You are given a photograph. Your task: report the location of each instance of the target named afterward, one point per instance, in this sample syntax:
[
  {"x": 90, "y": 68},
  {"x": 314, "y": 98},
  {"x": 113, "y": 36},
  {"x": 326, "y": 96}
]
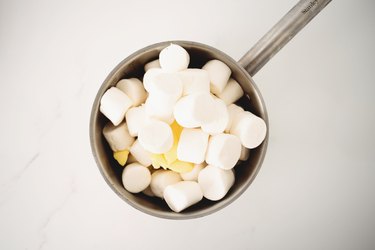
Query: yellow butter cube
[
  {"x": 158, "y": 160},
  {"x": 171, "y": 155},
  {"x": 176, "y": 130},
  {"x": 181, "y": 166},
  {"x": 121, "y": 157}
]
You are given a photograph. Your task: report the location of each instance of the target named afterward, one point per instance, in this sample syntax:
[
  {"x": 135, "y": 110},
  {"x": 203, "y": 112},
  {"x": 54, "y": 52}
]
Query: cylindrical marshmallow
[
  {"x": 140, "y": 154},
  {"x": 232, "y": 92},
  {"x": 114, "y": 104},
  {"x": 160, "y": 179},
  {"x": 194, "y": 110},
  {"x": 215, "y": 182},
  {"x": 136, "y": 177},
  {"x": 219, "y": 74},
  {"x": 133, "y": 88},
  {"x": 192, "y": 145},
  {"x": 160, "y": 109},
  {"x": 148, "y": 77},
  {"x": 233, "y": 113},
  {"x": 151, "y": 65},
  {"x": 174, "y": 58},
  {"x": 183, "y": 112},
  {"x": 135, "y": 119},
  {"x": 250, "y": 128},
  {"x": 156, "y": 137},
  {"x": 220, "y": 122},
  {"x": 194, "y": 81},
  {"x": 245, "y": 153},
  {"x": 182, "y": 195},
  {"x": 166, "y": 85},
  {"x": 223, "y": 151},
  {"x": 193, "y": 174},
  {"x": 118, "y": 137}
]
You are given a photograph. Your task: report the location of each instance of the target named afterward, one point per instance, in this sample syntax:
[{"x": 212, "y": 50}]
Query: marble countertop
[{"x": 315, "y": 189}]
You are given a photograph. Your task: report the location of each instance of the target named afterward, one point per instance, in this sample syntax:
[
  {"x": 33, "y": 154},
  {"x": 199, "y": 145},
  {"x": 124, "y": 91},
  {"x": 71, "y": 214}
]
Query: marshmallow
[
  {"x": 215, "y": 182},
  {"x": 223, "y": 151},
  {"x": 219, "y": 74},
  {"x": 250, "y": 128},
  {"x": 182, "y": 195},
  {"x": 194, "y": 110},
  {"x": 156, "y": 137},
  {"x": 232, "y": 92},
  {"x": 159, "y": 109},
  {"x": 160, "y": 179},
  {"x": 140, "y": 154},
  {"x": 233, "y": 113},
  {"x": 136, "y": 118},
  {"x": 220, "y": 122},
  {"x": 136, "y": 177},
  {"x": 118, "y": 137},
  {"x": 114, "y": 104},
  {"x": 148, "y": 77},
  {"x": 133, "y": 88},
  {"x": 166, "y": 85},
  {"x": 192, "y": 145},
  {"x": 245, "y": 153},
  {"x": 174, "y": 58},
  {"x": 151, "y": 65},
  {"x": 194, "y": 81},
  {"x": 193, "y": 174}
]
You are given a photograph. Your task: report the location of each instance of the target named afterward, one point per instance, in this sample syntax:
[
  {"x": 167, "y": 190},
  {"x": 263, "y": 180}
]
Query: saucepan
[{"x": 242, "y": 71}]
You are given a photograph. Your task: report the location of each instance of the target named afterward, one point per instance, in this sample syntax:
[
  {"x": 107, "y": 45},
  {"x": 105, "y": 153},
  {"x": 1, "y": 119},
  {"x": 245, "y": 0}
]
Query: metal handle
[{"x": 280, "y": 34}]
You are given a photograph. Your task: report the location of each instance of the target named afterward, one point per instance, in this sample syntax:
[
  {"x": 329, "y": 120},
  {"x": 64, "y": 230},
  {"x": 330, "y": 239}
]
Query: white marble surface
[{"x": 316, "y": 187}]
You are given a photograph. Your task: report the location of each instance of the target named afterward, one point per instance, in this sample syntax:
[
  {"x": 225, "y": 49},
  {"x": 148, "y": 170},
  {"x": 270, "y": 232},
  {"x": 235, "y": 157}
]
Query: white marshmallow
[
  {"x": 151, "y": 65},
  {"x": 140, "y": 154},
  {"x": 220, "y": 122},
  {"x": 182, "y": 195},
  {"x": 160, "y": 109},
  {"x": 223, "y": 151},
  {"x": 194, "y": 110},
  {"x": 245, "y": 153},
  {"x": 250, "y": 128},
  {"x": 118, "y": 137},
  {"x": 215, "y": 182},
  {"x": 193, "y": 174},
  {"x": 156, "y": 137},
  {"x": 136, "y": 177},
  {"x": 160, "y": 179},
  {"x": 136, "y": 118},
  {"x": 232, "y": 92},
  {"x": 194, "y": 81},
  {"x": 192, "y": 145},
  {"x": 219, "y": 74},
  {"x": 114, "y": 104},
  {"x": 148, "y": 77},
  {"x": 133, "y": 88},
  {"x": 174, "y": 58},
  {"x": 233, "y": 113},
  {"x": 166, "y": 85},
  {"x": 183, "y": 112}
]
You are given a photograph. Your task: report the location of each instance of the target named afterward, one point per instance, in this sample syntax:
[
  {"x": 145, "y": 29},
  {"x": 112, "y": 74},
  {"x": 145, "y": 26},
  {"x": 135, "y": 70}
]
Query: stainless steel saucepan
[{"x": 242, "y": 71}]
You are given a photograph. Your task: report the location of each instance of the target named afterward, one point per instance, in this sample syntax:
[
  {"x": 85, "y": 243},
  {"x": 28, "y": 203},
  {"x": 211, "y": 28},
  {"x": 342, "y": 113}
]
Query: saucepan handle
[{"x": 280, "y": 34}]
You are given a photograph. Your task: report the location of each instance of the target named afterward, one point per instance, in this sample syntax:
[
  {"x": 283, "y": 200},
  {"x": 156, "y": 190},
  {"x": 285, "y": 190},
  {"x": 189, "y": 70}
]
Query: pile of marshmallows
[{"x": 184, "y": 123}]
